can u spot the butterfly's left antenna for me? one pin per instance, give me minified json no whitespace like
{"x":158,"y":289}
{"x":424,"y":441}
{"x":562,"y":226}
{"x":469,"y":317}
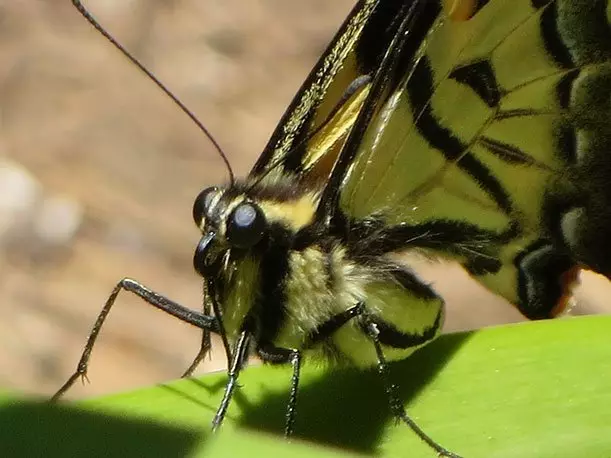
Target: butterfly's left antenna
{"x":89,"y":17}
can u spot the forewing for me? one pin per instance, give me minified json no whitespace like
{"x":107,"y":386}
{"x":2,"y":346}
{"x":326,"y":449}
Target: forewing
{"x":310,"y":136}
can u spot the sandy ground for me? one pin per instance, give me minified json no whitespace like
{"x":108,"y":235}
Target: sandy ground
{"x":91,"y":129}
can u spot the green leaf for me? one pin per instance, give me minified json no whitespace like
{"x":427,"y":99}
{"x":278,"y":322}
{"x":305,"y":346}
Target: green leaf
{"x":527,"y":390}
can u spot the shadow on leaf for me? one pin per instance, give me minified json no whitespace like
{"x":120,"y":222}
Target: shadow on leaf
{"x":348,"y":407}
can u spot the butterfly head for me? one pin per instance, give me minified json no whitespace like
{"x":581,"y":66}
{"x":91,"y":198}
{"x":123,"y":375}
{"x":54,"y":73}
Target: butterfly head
{"x":249,"y":237}
{"x":227,"y":222}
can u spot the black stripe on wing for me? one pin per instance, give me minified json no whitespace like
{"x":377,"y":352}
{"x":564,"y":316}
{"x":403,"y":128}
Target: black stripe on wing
{"x":407,"y":29}
{"x":480,"y":77}
{"x":420,"y":87}
{"x":553,"y":42}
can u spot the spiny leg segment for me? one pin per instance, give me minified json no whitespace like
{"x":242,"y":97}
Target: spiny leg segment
{"x":240,"y":354}
{"x":275,"y":355}
{"x":332,"y":325}
{"x":206,"y":343}
{"x":201,"y":320}
{"x":396,"y":405}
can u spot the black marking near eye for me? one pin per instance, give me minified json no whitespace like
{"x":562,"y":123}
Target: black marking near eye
{"x":481,"y":78}
{"x":201,"y":261}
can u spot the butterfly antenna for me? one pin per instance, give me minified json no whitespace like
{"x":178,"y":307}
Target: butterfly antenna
{"x":89,"y":17}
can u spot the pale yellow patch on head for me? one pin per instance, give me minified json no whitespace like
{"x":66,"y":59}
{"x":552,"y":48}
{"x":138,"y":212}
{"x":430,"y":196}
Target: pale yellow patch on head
{"x":295,"y":214}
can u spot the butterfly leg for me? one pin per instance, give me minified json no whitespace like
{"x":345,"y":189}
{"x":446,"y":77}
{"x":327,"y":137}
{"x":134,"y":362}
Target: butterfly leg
{"x":203,"y":321}
{"x":333,"y":324}
{"x":204,"y":349}
{"x":391,"y":390}
{"x":240,"y":354}
{"x":275,"y":355}
{"x":206,"y":343}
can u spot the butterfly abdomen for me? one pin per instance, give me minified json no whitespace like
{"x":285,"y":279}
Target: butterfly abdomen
{"x":328,"y":297}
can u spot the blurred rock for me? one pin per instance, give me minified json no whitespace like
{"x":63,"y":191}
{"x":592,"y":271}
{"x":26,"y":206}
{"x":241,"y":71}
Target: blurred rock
{"x":19,"y":195}
{"x":125,"y":237}
{"x":34,"y":227}
{"x":57,"y":220}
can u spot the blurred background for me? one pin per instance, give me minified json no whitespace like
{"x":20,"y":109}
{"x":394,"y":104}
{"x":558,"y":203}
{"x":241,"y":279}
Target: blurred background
{"x":98,"y":171}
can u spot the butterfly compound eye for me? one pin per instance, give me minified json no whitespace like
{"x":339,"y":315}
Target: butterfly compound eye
{"x":202,"y":203}
{"x":246,"y":225}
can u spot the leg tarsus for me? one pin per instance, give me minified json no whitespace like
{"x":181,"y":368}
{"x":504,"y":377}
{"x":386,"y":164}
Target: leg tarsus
{"x":240,"y":355}
{"x":204,"y":350}
{"x":275,"y":355}
{"x":291,"y":409}
{"x":198,"y":319}
{"x":201,"y":354}
{"x":396,"y":405}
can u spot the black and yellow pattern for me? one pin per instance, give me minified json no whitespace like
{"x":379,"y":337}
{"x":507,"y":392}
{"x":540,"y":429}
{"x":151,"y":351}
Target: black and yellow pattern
{"x":478,"y":136}
{"x":472,"y":130}
{"x":477,"y":133}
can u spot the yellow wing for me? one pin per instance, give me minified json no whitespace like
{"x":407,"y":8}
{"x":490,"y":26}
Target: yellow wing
{"x":311,"y":133}
{"x":486,"y":150}
{"x":476,"y":132}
